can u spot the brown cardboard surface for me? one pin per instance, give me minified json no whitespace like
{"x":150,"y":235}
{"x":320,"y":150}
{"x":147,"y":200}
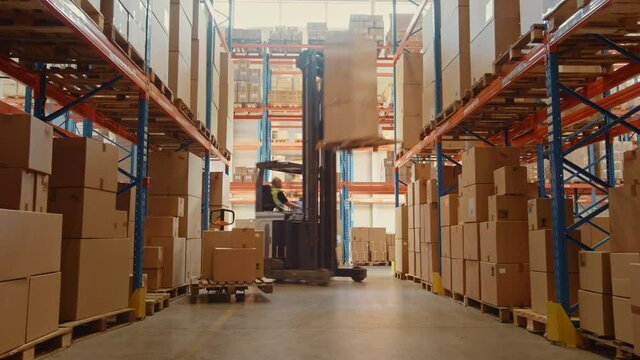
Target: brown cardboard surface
{"x":449,"y":210}
{"x":175,"y":173}
{"x":153,"y":257}
{"x":237,"y":238}
{"x":409,"y":100}
{"x":508,"y":208}
{"x":220,"y":189}
{"x":596,"y":313}
{"x":455,"y":23}
{"x":543,"y":290}
{"x":510,"y":180}
{"x":433,"y":253}
{"x":458,"y":276}
{"x":493,"y":40}
{"x":592,"y":236}
{"x":432,"y":191}
{"x":505,"y":284}
{"x":154,"y":278}
{"x":634,"y":277}
{"x":41,"y":197}
{"x":624,"y":205}
{"x":210,"y":240}
{"x":159,"y":205}
{"x":429,"y":223}
{"x":234,"y":264}
{"x":412,"y":240}
{"x":475,"y":202}
{"x":25,"y":142}
{"x":13,"y":312}
{"x":402,"y":255}
{"x":122,"y":224}
{"x":190,"y":225}
{"x":595,"y":271}
{"x":417,"y":235}
{"x":631,"y":166}
{"x":160,"y":226}
{"x":425,"y":267}
{"x":174,"y":256}
{"x":471,"y":241}
{"x":456,"y":78}
{"x":126,"y":201}
{"x":540,"y":215}
{"x":84,"y":163}
{"x":472,"y":279}
{"x":445,"y":236}
{"x":622,"y":319}
{"x":29,"y":243}
{"x":621,"y":273}
{"x":541,"y":256}
{"x":87,"y":213}
{"x":420,"y":172}
{"x":44,"y":305}
{"x":95,"y":277}
{"x":193,"y":258}
{"x":409,"y":69}
{"x":504,"y":242}
{"x":412,"y":262}
{"x":409,"y":128}
{"x":416,"y":216}
{"x":350,"y":88}
{"x":18,"y":189}
{"x":457,"y":241}
{"x":411,"y":221}
{"x":420,"y":192}
{"x":480,"y":162}
{"x":447,"y":280}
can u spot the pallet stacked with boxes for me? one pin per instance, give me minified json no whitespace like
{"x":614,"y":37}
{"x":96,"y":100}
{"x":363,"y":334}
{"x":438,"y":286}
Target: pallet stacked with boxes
{"x":416,"y":196}
{"x":198,"y":95}
{"x":456,"y":61}
{"x":402,"y":240}
{"x":409,"y":99}
{"x":233,"y":256}
{"x":96,"y":253}
{"x":248,"y":83}
{"x":414,"y":40}
{"x":176,"y":189}
{"x":449,"y":218}
{"x":369,"y":26}
{"x":226,"y":100}
{"x":368,"y":245}
{"x":391,"y":247}
{"x":30,"y":238}
{"x":180,"y":34}
{"x":429,"y":245}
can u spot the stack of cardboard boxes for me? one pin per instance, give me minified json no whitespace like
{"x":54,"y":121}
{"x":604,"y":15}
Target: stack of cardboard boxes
{"x":30,"y":239}
{"x":180,"y":34}
{"x":96,"y":253}
{"x":456,"y":61}
{"x":401,"y":246}
{"x":226,"y":100}
{"x":163,"y":214}
{"x":368,"y":244}
{"x":634,"y":308}
{"x":416,"y":197}
{"x":448,"y":218}
{"x":409,"y":99}
{"x":176,"y":189}
{"x":248,"y":83}
{"x":594,"y":296}
{"x":369,"y":26}
{"x":236,"y":255}
{"x":391,"y":247}
{"x":429,"y":248}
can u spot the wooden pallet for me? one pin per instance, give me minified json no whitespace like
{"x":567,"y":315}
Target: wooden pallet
{"x":371,"y":263}
{"x":448,"y":111}
{"x":471,"y":302}
{"x":427,"y":286}
{"x":156,"y":302}
{"x":500,"y":313}
{"x":374,"y":142}
{"x":530,"y":320}
{"x":519,"y":49}
{"x":400,"y":276}
{"x":621,"y":349}
{"x":184,"y":109}
{"x":158,"y":83}
{"x":247,"y":105}
{"x":123,"y":44}
{"x":174,"y":293}
{"x":413,"y":278}
{"x":93,"y":13}
{"x":459,"y":298}
{"x":100,"y":323}
{"x":225,"y":291}
{"x":49,"y":344}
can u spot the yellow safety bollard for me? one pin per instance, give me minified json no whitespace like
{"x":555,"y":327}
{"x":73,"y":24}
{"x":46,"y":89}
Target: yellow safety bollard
{"x":137,"y":302}
{"x":560,"y":329}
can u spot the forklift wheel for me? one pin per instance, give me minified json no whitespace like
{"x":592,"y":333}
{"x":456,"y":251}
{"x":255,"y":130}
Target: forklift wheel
{"x":358,"y":278}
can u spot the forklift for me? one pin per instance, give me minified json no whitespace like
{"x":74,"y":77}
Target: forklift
{"x":301,"y":245}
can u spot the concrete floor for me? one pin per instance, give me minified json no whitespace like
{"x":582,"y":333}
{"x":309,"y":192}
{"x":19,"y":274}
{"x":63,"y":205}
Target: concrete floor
{"x":381,"y":318}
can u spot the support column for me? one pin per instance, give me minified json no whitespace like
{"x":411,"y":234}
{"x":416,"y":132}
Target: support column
{"x":87,"y":131}
{"x":394,"y":31}
{"x":206,"y":186}
{"x":540,"y":165}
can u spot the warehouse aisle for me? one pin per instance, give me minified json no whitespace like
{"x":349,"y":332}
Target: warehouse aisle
{"x":381,"y":318}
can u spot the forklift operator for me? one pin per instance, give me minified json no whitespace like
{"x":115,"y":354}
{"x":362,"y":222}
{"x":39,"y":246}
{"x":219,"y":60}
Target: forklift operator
{"x":279,"y":199}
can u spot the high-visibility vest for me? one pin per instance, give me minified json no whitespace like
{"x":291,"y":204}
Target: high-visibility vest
{"x":274,"y":195}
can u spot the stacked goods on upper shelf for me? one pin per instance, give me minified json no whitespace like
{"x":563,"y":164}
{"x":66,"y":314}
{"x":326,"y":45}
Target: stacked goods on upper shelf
{"x":160,"y":25}
{"x":402,"y":239}
{"x":96,"y":253}
{"x":30,"y":240}
{"x":181,"y":19}
{"x":285,"y":35}
{"x":541,"y":253}
{"x":236,"y":255}
{"x":245,"y":35}
{"x":177,"y":178}
{"x":409,"y":99}
{"x":532,"y":12}
{"x":368,"y":245}
{"x":316,"y":32}
{"x":226,"y":101}
{"x":414,"y":41}
{"x":494,"y":26}
{"x":244,"y":174}
{"x":369,"y":26}
{"x":350,"y":89}
{"x":126,"y":20}
{"x":456,"y":62}
{"x":248,"y":83}
{"x":428,"y":69}
{"x":219,"y":190}
{"x":286,"y":90}
{"x":404,"y":173}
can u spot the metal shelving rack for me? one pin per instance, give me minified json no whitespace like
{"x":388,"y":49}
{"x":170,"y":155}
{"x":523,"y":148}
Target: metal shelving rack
{"x":600,"y":33}
{"x":105,"y":86}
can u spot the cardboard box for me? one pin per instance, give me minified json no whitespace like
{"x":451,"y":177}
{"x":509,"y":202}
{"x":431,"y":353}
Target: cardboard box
{"x":418,"y":264}
{"x":44,"y":305}
{"x":540,"y":215}
{"x":154,"y":278}
{"x":29,"y":243}
{"x":13,"y":312}
{"x":152,"y":257}
{"x":624,"y":203}
{"x":237,"y":264}
{"x":595,"y":271}
{"x":505,"y":284}
{"x":219,"y":190}
{"x":510,"y":180}
{"x":412,"y":240}
{"x":433,"y":266}
{"x":480,"y":162}
{"x":410,"y":196}
{"x":596,"y":312}
{"x":402,"y":256}
{"x":23,"y":190}
{"x":541,"y":253}
{"x":432,"y":191}
{"x":412,"y":263}
{"x":447,"y":280}
{"x":161,"y":226}
{"x":416,"y":239}
{"x":429,"y":223}
{"x":472,"y":279}
{"x":445,"y":237}
{"x":458,"y":276}
{"x":631,"y":167}
{"x":87,"y":213}
{"x":410,"y":216}
{"x":475,"y":202}
{"x":173,"y":260}
{"x":471,"y":241}
{"x":350,"y":88}
{"x":621,"y":273}
{"x":25,"y":142}
{"x":84,"y":163}
{"x":165,"y":206}
{"x":190,"y":225}
{"x":497,"y":35}
{"x":622,"y":319}
{"x":126,"y":201}
{"x":592,"y":236}
{"x":449,"y":210}
{"x":457,"y":241}
{"x":193,"y":258}
{"x":420,"y":172}
{"x":237,"y":238}
{"x":122,"y":224}
{"x":543,"y":290}
{"x":504,"y":242}
{"x":508,"y":208}
{"x":416,"y":216}
{"x":95,"y":277}
{"x":420,"y":192}
{"x":175,"y":173}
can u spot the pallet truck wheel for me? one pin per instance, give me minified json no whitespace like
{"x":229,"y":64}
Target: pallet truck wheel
{"x":358,"y":278}
{"x":240,"y":297}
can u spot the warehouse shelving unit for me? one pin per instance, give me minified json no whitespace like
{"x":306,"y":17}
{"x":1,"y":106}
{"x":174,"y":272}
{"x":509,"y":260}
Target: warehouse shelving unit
{"x":105,"y":86}
{"x":602,"y":34}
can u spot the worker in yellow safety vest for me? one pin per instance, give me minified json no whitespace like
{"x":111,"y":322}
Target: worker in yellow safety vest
{"x":279,"y":198}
